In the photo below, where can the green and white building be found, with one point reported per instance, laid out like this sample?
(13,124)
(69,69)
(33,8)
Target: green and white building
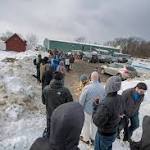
(69,46)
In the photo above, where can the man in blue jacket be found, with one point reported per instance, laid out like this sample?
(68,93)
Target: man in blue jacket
(93,91)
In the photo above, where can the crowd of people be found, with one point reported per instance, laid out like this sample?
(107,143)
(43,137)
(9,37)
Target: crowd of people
(57,61)
(96,119)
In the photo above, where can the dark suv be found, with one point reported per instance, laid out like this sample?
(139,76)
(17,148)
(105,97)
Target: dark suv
(94,59)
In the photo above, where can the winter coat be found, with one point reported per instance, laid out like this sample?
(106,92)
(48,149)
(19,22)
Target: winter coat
(43,69)
(55,63)
(66,125)
(144,144)
(54,95)
(40,144)
(37,62)
(47,77)
(65,131)
(107,115)
(89,94)
(131,107)
(71,59)
(61,68)
(145,141)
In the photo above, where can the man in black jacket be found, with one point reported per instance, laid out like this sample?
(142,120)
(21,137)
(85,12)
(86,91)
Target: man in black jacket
(66,125)
(37,62)
(107,115)
(54,95)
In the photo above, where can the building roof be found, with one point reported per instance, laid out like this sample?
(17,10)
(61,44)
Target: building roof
(15,34)
(74,42)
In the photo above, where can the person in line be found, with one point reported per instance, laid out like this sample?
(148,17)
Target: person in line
(37,63)
(107,115)
(93,91)
(47,76)
(54,63)
(144,143)
(54,95)
(66,125)
(67,63)
(44,66)
(132,99)
(61,68)
(83,81)
(71,58)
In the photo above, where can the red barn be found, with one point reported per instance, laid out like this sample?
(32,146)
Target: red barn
(15,43)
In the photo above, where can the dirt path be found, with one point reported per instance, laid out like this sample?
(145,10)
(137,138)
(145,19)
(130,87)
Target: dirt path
(79,68)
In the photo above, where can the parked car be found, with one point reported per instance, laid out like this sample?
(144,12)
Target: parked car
(120,57)
(128,72)
(104,59)
(125,71)
(94,59)
(86,56)
(122,60)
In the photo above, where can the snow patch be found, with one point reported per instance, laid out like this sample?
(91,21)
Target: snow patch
(20,135)
(18,143)
(14,85)
(14,111)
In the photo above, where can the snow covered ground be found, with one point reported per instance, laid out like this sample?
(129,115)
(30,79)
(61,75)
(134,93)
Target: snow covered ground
(22,115)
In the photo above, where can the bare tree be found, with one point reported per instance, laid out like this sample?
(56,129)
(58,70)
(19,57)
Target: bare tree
(6,35)
(80,39)
(133,45)
(32,41)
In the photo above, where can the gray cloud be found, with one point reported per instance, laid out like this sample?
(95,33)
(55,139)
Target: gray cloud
(97,20)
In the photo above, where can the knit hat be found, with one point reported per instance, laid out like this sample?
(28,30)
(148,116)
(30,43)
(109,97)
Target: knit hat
(113,84)
(83,77)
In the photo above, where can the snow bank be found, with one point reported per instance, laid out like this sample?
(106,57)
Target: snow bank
(19,135)
(21,124)
(14,85)
(4,54)
(21,55)
(23,127)
(14,111)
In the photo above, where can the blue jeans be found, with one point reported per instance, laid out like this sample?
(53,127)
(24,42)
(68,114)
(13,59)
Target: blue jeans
(104,142)
(134,123)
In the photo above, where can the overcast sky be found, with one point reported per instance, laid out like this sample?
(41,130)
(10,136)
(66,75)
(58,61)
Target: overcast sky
(97,20)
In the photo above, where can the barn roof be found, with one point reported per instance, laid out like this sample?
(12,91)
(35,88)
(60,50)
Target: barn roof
(15,34)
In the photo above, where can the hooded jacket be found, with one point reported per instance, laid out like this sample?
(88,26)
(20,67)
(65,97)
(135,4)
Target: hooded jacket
(47,77)
(65,131)
(144,143)
(66,125)
(55,94)
(107,115)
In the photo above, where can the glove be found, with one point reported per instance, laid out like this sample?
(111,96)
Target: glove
(95,104)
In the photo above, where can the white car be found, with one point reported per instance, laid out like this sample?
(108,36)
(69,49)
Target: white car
(125,71)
